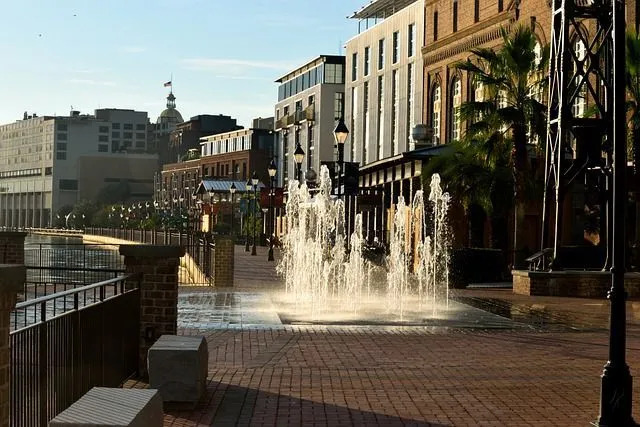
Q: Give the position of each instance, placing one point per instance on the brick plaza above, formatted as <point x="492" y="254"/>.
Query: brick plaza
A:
<point x="545" y="372"/>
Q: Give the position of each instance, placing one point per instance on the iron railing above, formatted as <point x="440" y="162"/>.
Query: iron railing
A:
<point x="198" y="246"/>
<point x="64" y="344"/>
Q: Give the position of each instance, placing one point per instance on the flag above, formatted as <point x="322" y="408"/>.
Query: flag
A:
<point x="167" y="83"/>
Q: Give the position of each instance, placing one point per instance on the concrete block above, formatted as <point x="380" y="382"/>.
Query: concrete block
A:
<point x="178" y="366"/>
<point x="113" y="407"/>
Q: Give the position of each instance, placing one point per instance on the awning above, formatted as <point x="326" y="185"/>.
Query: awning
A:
<point x="222" y="187"/>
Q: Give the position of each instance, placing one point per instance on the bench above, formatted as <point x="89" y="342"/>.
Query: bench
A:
<point x="113" y="407"/>
<point x="178" y="367"/>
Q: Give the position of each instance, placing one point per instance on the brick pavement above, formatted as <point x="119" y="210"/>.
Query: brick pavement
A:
<point x="350" y="375"/>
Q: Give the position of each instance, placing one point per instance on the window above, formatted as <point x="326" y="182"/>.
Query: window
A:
<point x="411" y="40"/>
<point x="62" y="127"/>
<point x="115" y="134"/>
<point x="579" y="103"/>
<point x="103" y="138"/>
<point x="455" y="15"/>
<point x="127" y="135"/>
<point x="500" y="5"/>
<point x="354" y="67"/>
<point x="61" y="155"/>
<point x="354" y="120"/>
<point x="115" y="125"/>
<point x="476" y="10"/>
<point x="62" y="136"/>
<point x="128" y="126"/>
<point x="334" y="73"/>
<point x="380" y="54"/>
<point x="454" y="109"/>
<point x="140" y="126"/>
<point x="338" y="106"/>
<point x="140" y="135"/>
<point x="366" y="61"/>
<point x="410" y="100"/>
<point x="68" y="184"/>
<point x="115" y="146"/>
<point x="104" y="129"/>
<point x="394" y="112"/>
<point x="435" y="114"/>
<point x="61" y="146"/>
<point x="502" y="103"/>
<point x="103" y="148"/>
<point x="537" y="51"/>
<point x="380" y="117"/>
<point x="435" y="26"/>
<point x="396" y="46"/>
<point x="365" y="128"/>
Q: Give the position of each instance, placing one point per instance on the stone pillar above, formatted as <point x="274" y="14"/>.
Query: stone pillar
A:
<point x="12" y="247"/>
<point x="223" y="262"/>
<point x="12" y="278"/>
<point x="158" y="270"/>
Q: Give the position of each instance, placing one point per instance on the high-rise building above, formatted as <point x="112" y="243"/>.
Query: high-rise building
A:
<point x="49" y="162"/>
<point x="186" y="135"/>
<point x="310" y="102"/>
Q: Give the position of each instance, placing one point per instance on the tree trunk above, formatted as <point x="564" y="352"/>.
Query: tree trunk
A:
<point x="520" y="167"/>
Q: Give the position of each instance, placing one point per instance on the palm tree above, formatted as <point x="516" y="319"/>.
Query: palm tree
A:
<point x="509" y="117"/>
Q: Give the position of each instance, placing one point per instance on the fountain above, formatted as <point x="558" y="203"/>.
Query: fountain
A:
<point x="327" y="281"/>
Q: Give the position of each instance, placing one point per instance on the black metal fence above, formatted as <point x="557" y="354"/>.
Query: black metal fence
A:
<point x="53" y="267"/>
<point x="199" y="247"/>
<point x="64" y="344"/>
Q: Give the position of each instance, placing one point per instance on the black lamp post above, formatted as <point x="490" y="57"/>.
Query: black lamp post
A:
<point x="272" y="169"/>
<point x="232" y="190"/>
<point x="340" y="133"/>
<point x="246" y="221"/>
<point x="254" y="182"/>
<point x="298" y="155"/>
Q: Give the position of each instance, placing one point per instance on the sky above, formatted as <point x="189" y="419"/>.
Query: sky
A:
<point x="224" y="56"/>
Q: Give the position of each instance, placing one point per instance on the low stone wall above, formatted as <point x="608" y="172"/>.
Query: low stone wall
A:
<point x="586" y="284"/>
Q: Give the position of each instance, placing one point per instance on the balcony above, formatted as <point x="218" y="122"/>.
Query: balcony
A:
<point x="310" y="113"/>
<point x="284" y="122"/>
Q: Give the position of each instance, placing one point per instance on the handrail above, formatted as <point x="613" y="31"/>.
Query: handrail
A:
<point x="78" y="268"/>
<point x="51" y="297"/>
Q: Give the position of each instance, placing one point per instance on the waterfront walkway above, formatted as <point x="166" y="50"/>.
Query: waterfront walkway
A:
<point x="539" y="364"/>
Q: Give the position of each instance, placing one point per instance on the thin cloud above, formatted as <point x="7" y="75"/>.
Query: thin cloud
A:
<point x="231" y="66"/>
<point x="92" y="82"/>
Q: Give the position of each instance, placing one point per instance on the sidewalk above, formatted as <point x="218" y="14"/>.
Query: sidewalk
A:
<point x="280" y="375"/>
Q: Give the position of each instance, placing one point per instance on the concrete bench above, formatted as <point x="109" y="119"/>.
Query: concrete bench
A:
<point x="113" y="407"/>
<point x="178" y="366"/>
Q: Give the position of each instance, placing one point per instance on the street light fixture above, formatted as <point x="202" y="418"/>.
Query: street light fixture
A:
<point x="254" y="181"/>
<point x="298" y="155"/>
<point x="272" y="169"/>
<point x="340" y="134"/>
<point x="232" y="190"/>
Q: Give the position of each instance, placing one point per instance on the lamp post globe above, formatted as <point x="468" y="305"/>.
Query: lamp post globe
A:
<point x="272" y="169"/>
<point x="298" y="155"/>
<point x="340" y="133"/>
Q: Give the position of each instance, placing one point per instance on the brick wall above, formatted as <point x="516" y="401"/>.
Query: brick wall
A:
<point x="570" y="283"/>
<point x="12" y="247"/>
<point x="223" y="262"/>
<point x="157" y="267"/>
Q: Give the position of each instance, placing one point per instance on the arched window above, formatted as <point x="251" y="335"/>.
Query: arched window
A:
<point x="537" y="51"/>
<point x="435" y="113"/>
<point x="580" y="102"/>
<point x="453" y="114"/>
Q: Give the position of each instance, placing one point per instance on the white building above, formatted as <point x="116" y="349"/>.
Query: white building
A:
<point x="384" y="80"/>
<point x="49" y="162"/>
<point x="310" y="102"/>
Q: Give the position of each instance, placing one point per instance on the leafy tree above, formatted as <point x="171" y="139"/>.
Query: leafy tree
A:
<point x="509" y="117"/>
<point x="117" y="192"/>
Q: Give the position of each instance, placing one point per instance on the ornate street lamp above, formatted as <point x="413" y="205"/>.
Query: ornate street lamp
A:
<point x="272" y="169"/>
<point x="254" y="182"/>
<point x="340" y="134"/>
<point x="298" y="155"/>
<point x="232" y="190"/>
<point x="246" y="218"/>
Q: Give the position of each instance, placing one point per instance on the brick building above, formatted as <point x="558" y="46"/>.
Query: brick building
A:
<point x="186" y="135"/>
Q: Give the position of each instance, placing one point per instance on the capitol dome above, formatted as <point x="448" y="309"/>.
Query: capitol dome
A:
<point x="169" y="118"/>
